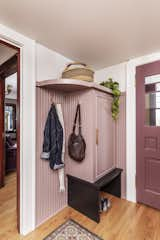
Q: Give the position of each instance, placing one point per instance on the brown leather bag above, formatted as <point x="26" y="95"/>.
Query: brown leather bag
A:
<point x="76" y="143"/>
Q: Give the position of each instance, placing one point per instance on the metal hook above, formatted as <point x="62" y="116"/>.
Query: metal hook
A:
<point x="52" y="100"/>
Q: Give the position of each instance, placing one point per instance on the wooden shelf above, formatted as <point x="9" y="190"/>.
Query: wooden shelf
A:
<point x="71" y="85"/>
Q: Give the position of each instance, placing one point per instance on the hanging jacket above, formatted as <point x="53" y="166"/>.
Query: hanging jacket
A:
<point x="53" y="140"/>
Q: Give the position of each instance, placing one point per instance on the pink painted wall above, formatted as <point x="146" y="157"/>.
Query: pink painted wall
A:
<point x="84" y="169"/>
<point x="104" y="159"/>
<point x="48" y="198"/>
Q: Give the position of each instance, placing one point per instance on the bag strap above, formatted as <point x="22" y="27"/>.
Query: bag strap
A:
<point x="80" y="127"/>
<point x="75" y="119"/>
<point x="78" y="115"/>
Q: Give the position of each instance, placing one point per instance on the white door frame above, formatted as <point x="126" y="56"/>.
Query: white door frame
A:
<point x="131" y="120"/>
<point x="27" y="126"/>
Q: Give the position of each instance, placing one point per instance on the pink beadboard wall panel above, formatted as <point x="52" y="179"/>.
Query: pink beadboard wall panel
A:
<point x="48" y="198"/>
<point x="105" y="127"/>
<point x="84" y="169"/>
<point x="120" y="147"/>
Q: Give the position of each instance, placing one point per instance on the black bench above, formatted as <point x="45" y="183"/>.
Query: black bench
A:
<point x="85" y="196"/>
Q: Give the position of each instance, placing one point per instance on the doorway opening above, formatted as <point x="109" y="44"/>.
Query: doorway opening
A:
<point x="9" y="136"/>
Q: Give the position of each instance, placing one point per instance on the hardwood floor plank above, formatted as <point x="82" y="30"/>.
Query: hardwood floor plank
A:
<point x="123" y="221"/>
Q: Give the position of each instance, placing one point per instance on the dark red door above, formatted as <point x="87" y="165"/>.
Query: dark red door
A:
<point x="148" y="134"/>
<point x="2" y="161"/>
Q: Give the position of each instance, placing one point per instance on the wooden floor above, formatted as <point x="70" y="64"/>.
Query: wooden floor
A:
<point x="124" y="221"/>
<point x="8" y="221"/>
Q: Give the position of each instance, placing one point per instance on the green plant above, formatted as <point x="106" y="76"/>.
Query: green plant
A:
<point x="114" y="86"/>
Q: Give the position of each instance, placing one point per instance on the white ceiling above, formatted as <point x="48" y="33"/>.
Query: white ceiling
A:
<point x="98" y="32"/>
<point x="6" y="53"/>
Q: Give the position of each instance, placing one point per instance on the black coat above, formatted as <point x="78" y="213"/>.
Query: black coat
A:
<point x="53" y="140"/>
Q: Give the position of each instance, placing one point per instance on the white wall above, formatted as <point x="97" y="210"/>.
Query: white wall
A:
<point x="27" y="126"/>
<point x="37" y="63"/>
<point x="124" y="73"/>
<point x="116" y="72"/>
<point x="49" y="64"/>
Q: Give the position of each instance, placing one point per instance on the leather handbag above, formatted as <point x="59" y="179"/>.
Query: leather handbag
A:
<point x="76" y="143"/>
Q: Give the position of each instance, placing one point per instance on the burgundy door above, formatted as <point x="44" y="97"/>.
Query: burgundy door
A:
<point x="148" y="134"/>
<point x="2" y="161"/>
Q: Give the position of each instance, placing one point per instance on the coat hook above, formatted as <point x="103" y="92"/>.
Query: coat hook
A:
<point x="51" y="100"/>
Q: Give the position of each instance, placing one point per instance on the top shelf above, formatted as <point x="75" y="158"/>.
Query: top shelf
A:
<point x="70" y="85"/>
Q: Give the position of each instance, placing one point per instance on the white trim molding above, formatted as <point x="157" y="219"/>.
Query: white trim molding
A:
<point x="131" y="120"/>
<point x="27" y="126"/>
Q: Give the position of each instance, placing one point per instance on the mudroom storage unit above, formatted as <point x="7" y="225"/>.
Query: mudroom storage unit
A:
<point x="98" y="129"/>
